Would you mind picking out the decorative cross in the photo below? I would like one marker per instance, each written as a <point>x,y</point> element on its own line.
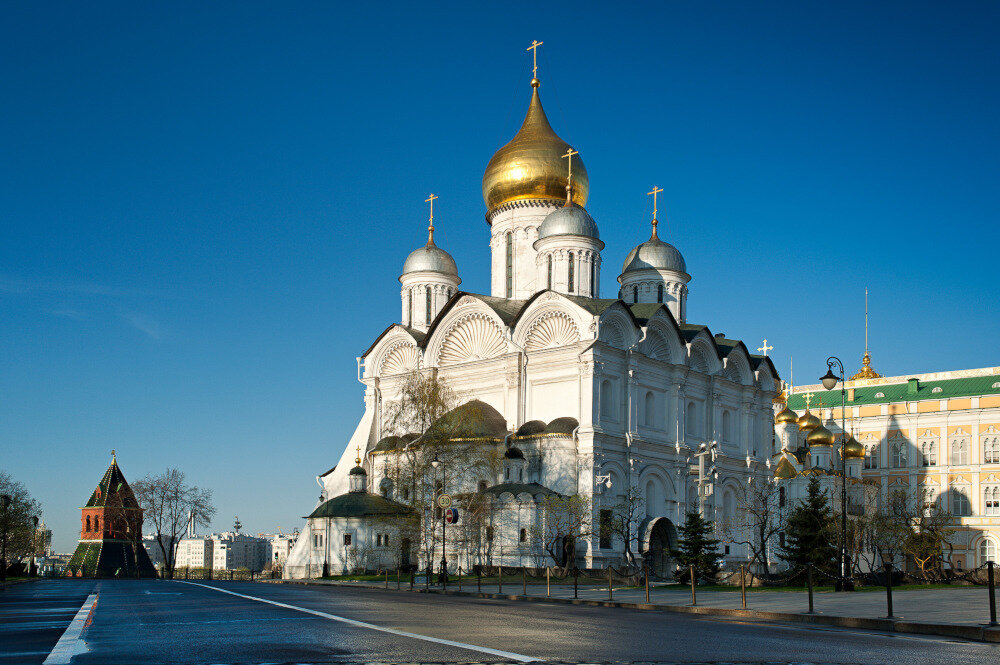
<point>764,349</point>
<point>112,454</point>
<point>357,451</point>
<point>808,397</point>
<point>569,156</point>
<point>656,190</point>
<point>430,226</point>
<point>534,57</point>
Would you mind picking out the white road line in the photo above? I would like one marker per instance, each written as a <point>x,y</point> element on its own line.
<point>70,644</point>
<point>361,624</point>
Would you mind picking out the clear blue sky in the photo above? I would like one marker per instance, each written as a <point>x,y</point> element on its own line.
<point>205,207</point>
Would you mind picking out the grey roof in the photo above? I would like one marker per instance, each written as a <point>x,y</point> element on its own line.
<point>519,488</point>
<point>357,471</point>
<point>570,220</point>
<point>359,504</point>
<point>531,427</point>
<point>473,420</point>
<point>564,425</point>
<point>656,254</point>
<point>432,258</point>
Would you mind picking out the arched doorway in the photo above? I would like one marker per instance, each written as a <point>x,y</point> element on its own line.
<point>404,554</point>
<point>659,537</point>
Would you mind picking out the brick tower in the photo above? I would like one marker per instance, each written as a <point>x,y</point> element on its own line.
<point>111,532</point>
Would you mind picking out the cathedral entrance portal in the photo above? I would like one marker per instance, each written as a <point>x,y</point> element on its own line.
<point>404,554</point>
<point>659,538</point>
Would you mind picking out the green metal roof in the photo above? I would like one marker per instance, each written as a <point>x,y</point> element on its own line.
<point>902,392</point>
<point>359,504</point>
<point>112,484</point>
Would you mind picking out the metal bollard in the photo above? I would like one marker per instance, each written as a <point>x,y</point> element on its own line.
<point>500,579</point>
<point>576,581</point>
<point>993,593</point>
<point>386,578</point>
<point>524,581</point>
<point>459,578</point>
<point>888,591</point>
<point>610,592</point>
<point>743,585</point>
<point>694,598</point>
<point>548,581</point>
<point>479,578</point>
<point>413,577</point>
<point>397,578</point>
<point>430,571</point>
<point>809,586</point>
<point>645,576</point>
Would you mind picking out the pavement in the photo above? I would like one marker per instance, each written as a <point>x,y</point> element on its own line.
<point>153,621</point>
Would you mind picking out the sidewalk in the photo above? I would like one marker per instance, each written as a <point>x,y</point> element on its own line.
<point>957,612</point>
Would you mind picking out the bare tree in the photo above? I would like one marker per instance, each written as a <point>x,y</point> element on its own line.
<point>626,514</point>
<point>167,501</point>
<point>922,530</point>
<point>17,530</point>
<point>564,520</point>
<point>761,512</point>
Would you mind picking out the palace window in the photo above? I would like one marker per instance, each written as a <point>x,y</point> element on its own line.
<point>959,451</point>
<point>991,501</point>
<point>898,448</point>
<point>572,273</point>
<point>991,450</point>
<point>510,265</point>
<point>960,504</point>
<point>549,270</point>
<point>871,456</point>
<point>659,293</point>
<point>987,551</point>
<point>928,453</point>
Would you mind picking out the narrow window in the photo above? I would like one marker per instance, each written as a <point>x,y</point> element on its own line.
<point>489,534</point>
<point>378,540</point>
<point>347,540</point>
<point>781,498</point>
<point>549,259</point>
<point>510,265</point>
<point>409,307</point>
<point>428,305</point>
<point>385,540</point>
<point>635,294</point>
<point>572,273</point>
<point>604,530</point>
<point>659,293</point>
<point>593,279</point>
<point>523,536</point>
<point>88,524</point>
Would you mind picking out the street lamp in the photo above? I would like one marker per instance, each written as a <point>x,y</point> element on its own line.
<point>830,381</point>
<point>5,504</point>
<point>34,545</point>
<point>443,578</point>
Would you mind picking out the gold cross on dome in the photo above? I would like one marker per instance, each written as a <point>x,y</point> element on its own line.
<point>656,190</point>
<point>569,157</point>
<point>430,225</point>
<point>808,397</point>
<point>764,349</point>
<point>534,57</point>
<point>357,451</point>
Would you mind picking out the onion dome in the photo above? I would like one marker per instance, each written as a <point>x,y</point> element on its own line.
<point>820,436</point>
<point>531,165</point>
<point>513,453</point>
<point>357,471</point>
<point>655,254</point>
<point>808,421</point>
<point>531,428</point>
<point>570,220</point>
<point>564,425</point>
<point>784,470</point>
<point>786,416</point>
<point>853,449</point>
<point>430,258</point>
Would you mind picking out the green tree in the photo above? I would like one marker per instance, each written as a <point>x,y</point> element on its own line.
<point>696,547</point>
<point>809,535</point>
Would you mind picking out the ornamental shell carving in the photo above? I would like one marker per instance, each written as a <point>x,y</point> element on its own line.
<point>552,331</point>
<point>473,338</point>
<point>400,359</point>
<point>656,346</point>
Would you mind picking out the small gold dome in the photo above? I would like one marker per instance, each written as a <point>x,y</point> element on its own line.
<point>532,166</point>
<point>786,416</point>
<point>808,421</point>
<point>784,470</point>
<point>820,436</point>
<point>853,449</point>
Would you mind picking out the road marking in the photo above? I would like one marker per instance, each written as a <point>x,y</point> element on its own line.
<point>362,624</point>
<point>70,644</point>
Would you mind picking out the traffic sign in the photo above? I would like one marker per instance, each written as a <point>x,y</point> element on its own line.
<point>444,501</point>
<point>451,515</point>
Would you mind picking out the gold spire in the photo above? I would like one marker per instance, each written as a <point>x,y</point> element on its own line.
<point>430,225</point>
<point>357,452</point>
<point>866,360</point>
<point>113,458</point>
<point>569,175</point>
<point>534,62</point>
<point>656,190</point>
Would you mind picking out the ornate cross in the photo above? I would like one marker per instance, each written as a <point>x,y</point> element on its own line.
<point>357,451</point>
<point>534,57</point>
<point>430,226</point>
<point>764,349</point>
<point>808,397</point>
<point>656,190</point>
<point>569,158</point>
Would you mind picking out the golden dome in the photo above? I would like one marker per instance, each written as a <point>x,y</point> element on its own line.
<point>532,166</point>
<point>808,421</point>
<point>786,416</point>
<point>784,470</point>
<point>820,436</point>
<point>853,449</point>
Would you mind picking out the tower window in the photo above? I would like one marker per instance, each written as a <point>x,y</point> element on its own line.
<point>409,307</point>
<point>593,279</point>
<point>572,273</point>
<point>427,305</point>
<point>635,294</point>
<point>659,293</point>
<point>549,259</point>
<point>510,265</point>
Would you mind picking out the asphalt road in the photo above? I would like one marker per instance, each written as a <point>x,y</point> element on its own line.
<point>127,621</point>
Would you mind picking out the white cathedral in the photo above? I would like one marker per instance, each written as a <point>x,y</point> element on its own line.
<point>581,395</point>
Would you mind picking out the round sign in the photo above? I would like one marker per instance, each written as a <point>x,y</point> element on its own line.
<point>444,500</point>
<point>451,515</point>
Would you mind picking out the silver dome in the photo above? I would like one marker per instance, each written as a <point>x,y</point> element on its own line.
<point>656,254</point>
<point>432,258</point>
<point>571,220</point>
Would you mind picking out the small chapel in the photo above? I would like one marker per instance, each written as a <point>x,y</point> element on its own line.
<point>111,532</point>
<point>565,391</point>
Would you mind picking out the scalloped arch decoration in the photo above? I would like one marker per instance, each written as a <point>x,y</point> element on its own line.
<point>699,361</point>
<point>475,337</point>
<point>400,359</point>
<point>551,331</point>
<point>611,334</point>
<point>656,346</point>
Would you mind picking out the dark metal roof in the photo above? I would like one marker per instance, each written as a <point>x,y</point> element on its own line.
<point>519,488</point>
<point>359,504</point>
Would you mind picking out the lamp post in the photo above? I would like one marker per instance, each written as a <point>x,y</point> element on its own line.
<point>34,545</point>
<point>830,381</point>
<point>443,577</point>
<point>5,504</point>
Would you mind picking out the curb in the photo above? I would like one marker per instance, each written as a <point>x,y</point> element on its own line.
<point>975,633</point>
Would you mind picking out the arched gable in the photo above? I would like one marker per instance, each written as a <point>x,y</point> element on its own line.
<point>703,355</point>
<point>767,378</point>
<point>469,332</point>
<point>549,321</point>
<point>396,351</point>
<point>663,340</point>
<point>617,327</point>
<point>737,366</point>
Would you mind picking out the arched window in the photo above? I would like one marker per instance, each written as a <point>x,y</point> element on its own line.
<point>928,453</point>
<point>428,305</point>
<point>898,448</point>
<point>659,293</point>
<point>871,456</point>
<point>522,537</point>
<point>991,501</point>
<point>727,425</point>
<point>572,274</point>
<point>959,451</point>
<point>635,294</point>
<point>729,505</point>
<point>691,419</point>
<point>593,279</point>
<point>987,551</point>
<point>781,497</point>
<point>87,528</point>
<point>991,450</point>
<point>607,399</point>
<point>97,523</point>
<point>549,270</point>
<point>649,411</point>
<point>960,504</point>
<point>510,265</point>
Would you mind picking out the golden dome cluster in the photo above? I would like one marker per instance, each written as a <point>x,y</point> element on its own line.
<point>807,422</point>
<point>853,449</point>
<point>786,416</point>
<point>820,436</point>
<point>531,165</point>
